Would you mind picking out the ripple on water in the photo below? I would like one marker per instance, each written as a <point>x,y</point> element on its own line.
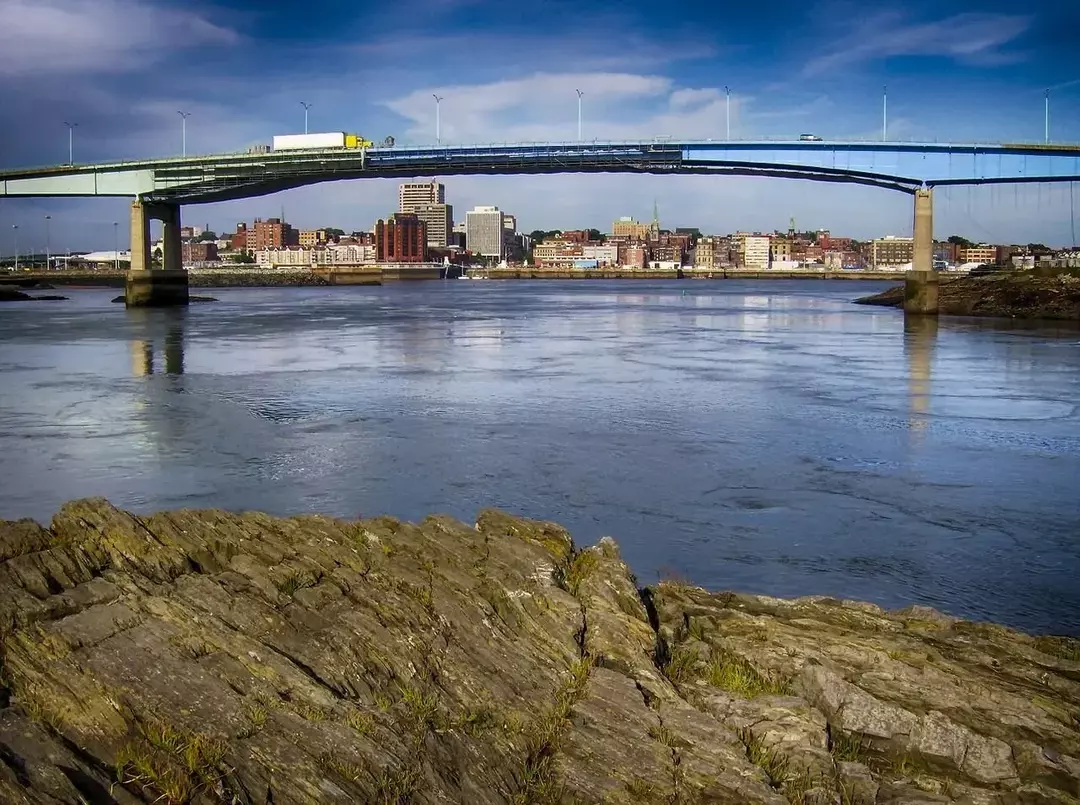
<point>964,406</point>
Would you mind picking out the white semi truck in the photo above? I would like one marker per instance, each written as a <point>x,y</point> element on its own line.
<point>332,139</point>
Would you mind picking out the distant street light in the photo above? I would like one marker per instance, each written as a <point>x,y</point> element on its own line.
<point>116,243</point>
<point>306,107</point>
<point>579,94</point>
<point>727,94</point>
<point>15,235</point>
<point>48,251</point>
<point>71,141</point>
<point>884,114</point>
<point>1046,118</point>
<point>438,133</point>
<point>183,128</point>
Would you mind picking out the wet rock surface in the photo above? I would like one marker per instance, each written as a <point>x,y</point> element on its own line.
<point>203,656</point>
<point>1023,296</point>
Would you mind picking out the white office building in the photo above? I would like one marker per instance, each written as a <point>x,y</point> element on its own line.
<point>485,232</point>
<point>753,250</point>
<point>412,196</point>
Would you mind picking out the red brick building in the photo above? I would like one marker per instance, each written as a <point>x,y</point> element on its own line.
<point>273,233</point>
<point>239,239</point>
<point>401,239</point>
<point>205,252</point>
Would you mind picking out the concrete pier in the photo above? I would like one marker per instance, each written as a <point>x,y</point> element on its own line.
<point>147,286</point>
<point>921,285</point>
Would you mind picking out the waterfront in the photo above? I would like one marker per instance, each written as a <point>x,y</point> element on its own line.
<point>767,437</point>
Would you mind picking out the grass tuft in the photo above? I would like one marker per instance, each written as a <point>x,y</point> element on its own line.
<point>681,665</point>
<point>735,674</point>
<point>1064,648</point>
<point>170,765</point>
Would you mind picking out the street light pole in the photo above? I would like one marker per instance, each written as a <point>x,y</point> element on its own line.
<point>71,141</point>
<point>48,251</point>
<point>727,95</point>
<point>306,107</point>
<point>116,243</point>
<point>438,132</point>
<point>579,94</point>
<point>1046,118</point>
<point>183,128</point>
<point>885,114</point>
<point>15,236</point>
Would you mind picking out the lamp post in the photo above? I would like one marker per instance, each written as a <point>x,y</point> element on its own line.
<point>438,132</point>
<point>579,94</point>
<point>15,236</point>
<point>116,244</point>
<point>71,141</point>
<point>727,95</point>
<point>306,107</point>
<point>884,113</point>
<point>1046,118</point>
<point>183,129</point>
<point>48,251</point>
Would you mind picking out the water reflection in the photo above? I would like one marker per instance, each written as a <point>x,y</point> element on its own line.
<point>920,333</point>
<point>158,341</point>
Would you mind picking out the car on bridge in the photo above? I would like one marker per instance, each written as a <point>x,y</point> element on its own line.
<point>810,138</point>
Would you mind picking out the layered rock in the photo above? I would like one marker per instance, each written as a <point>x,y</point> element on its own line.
<point>1028,295</point>
<point>201,656</point>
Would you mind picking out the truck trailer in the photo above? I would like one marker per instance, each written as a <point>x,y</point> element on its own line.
<point>332,139</point>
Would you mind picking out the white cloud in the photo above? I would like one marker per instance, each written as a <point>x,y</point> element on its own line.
<point>105,36</point>
<point>973,37</point>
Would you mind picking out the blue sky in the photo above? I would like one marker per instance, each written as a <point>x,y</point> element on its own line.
<point>956,71</point>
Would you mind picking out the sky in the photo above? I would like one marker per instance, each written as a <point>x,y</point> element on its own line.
<point>955,70</point>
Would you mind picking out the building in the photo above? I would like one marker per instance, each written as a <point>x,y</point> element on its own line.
<point>291,256</point>
<point>312,237</point>
<point>780,250</point>
<point>629,228</point>
<point>603,255</point>
<point>557,254</point>
<point>401,239</point>
<point>239,239</point>
<point>485,232</point>
<point>752,250</point>
<point>576,236</point>
<point>439,219</point>
<point>204,252</point>
<point>352,254</point>
<point>705,255</point>
<point>891,251</point>
<point>665,254</point>
<point>632,255</point>
<point>979,254</point>
<point>273,233</point>
<point>414,195</point>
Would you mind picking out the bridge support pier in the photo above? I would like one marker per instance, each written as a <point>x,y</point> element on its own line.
<point>147,286</point>
<point>921,284</point>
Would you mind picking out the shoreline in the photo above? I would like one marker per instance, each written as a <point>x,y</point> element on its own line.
<point>214,656</point>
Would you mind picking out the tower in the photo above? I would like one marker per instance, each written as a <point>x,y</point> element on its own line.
<point>791,228</point>
<point>654,227</point>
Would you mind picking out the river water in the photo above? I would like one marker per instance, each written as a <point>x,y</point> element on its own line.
<point>767,437</point>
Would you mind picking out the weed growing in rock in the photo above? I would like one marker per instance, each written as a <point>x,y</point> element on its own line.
<point>361,722</point>
<point>680,666</point>
<point>175,765</point>
<point>342,768</point>
<point>579,568</point>
<point>735,674</point>
<point>396,786</point>
<point>1064,648</point>
<point>846,746</point>
<point>296,580</point>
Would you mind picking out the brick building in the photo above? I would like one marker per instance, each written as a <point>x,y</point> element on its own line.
<point>204,252</point>
<point>401,239</point>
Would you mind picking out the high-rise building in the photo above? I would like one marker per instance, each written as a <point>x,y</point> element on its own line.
<point>273,233</point>
<point>401,239</point>
<point>439,219</point>
<point>485,232</point>
<point>891,251</point>
<point>414,195</point>
<point>753,250</point>
<point>629,228</point>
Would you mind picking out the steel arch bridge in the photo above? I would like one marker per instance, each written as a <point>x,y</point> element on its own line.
<point>898,166</point>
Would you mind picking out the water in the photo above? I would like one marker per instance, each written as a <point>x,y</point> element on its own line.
<point>767,437</point>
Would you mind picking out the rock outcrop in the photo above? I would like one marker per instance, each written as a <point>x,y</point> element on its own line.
<point>1025,295</point>
<point>202,656</point>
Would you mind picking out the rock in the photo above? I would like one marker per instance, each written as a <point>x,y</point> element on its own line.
<point>212,657</point>
<point>49,298</point>
<point>8,294</point>
<point>1025,295</point>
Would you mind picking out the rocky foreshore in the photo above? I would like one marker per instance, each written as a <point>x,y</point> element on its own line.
<point>208,657</point>
<point>254,279</point>
<point>1023,296</point>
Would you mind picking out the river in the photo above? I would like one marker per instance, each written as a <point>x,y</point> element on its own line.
<point>767,437</point>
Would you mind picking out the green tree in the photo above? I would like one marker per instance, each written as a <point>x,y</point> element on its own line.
<point>959,241</point>
<point>596,234</point>
<point>243,256</point>
<point>1038,248</point>
<point>334,232</point>
<point>209,234</point>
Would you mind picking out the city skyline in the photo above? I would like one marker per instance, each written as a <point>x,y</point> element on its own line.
<point>957,72</point>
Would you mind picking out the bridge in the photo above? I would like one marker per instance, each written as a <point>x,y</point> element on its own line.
<point>159,187</point>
